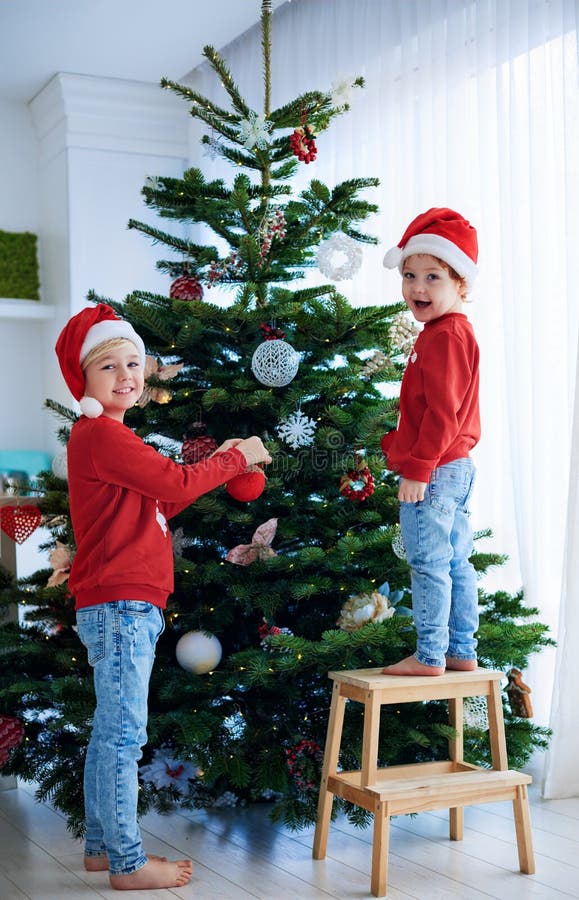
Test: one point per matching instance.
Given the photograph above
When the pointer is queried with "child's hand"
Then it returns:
(227, 445)
(411, 491)
(254, 451)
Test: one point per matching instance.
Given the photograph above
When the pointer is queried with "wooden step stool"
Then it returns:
(421, 786)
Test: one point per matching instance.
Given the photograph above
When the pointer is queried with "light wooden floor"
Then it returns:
(239, 854)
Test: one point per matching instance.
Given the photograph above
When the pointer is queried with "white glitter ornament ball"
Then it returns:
(60, 465)
(339, 257)
(275, 363)
(398, 544)
(476, 713)
(198, 651)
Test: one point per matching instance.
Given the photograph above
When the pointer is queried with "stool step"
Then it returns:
(356, 683)
(426, 786)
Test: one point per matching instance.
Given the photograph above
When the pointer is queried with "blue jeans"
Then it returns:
(120, 638)
(438, 540)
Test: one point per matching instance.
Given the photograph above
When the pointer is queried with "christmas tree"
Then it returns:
(308, 577)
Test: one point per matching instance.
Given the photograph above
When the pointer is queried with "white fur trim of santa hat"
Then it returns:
(442, 233)
(437, 246)
(110, 330)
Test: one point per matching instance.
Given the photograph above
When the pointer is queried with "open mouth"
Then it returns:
(422, 304)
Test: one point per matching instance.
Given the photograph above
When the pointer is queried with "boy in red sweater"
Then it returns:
(439, 424)
(121, 494)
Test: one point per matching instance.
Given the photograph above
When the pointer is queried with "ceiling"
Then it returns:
(140, 40)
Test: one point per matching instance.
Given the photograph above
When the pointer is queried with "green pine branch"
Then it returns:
(221, 70)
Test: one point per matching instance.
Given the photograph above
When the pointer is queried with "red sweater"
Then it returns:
(439, 410)
(121, 494)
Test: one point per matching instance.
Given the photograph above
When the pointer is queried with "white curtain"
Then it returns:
(471, 104)
(561, 770)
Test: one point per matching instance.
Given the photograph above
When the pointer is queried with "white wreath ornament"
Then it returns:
(330, 253)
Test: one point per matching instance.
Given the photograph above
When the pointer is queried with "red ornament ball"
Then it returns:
(246, 487)
(186, 288)
(196, 444)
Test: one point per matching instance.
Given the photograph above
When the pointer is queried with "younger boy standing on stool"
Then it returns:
(439, 424)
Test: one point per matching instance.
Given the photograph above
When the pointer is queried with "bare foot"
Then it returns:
(156, 873)
(101, 863)
(411, 666)
(461, 665)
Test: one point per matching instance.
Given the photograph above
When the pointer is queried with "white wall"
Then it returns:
(21, 342)
(21, 422)
(18, 169)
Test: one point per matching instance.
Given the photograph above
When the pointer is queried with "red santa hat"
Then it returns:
(85, 331)
(442, 233)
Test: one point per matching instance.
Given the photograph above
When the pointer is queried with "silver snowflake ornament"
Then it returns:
(297, 430)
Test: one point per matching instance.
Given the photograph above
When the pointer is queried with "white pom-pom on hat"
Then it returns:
(393, 258)
(90, 407)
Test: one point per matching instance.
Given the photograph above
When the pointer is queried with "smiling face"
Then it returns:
(115, 378)
(429, 289)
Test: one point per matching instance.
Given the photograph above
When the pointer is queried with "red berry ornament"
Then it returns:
(357, 484)
(246, 487)
(196, 444)
(303, 144)
(186, 288)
